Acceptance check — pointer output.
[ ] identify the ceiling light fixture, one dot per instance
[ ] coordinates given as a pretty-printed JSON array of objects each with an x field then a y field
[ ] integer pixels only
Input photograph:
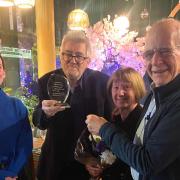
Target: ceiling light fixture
[
  {"x": 78, "y": 20},
  {"x": 144, "y": 14},
  {"x": 149, "y": 17},
  {"x": 6, "y": 3},
  {"x": 24, "y": 3}
]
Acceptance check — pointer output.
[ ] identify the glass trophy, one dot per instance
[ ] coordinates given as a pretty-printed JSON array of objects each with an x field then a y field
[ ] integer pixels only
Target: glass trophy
[{"x": 58, "y": 89}]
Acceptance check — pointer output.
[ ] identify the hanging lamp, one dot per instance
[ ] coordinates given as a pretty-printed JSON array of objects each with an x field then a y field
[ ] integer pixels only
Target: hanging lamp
[
  {"x": 144, "y": 14},
  {"x": 24, "y": 3},
  {"x": 78, "y": 20},
  {"x": 149, "y": 17},
  {"x": 6, "y": 3}
]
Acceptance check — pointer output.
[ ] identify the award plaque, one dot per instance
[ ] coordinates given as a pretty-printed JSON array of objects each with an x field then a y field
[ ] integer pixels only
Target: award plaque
[{"x": 58, "y": 88}]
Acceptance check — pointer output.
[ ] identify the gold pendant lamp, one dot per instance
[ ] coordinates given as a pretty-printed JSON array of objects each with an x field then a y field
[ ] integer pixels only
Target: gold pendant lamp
[
  {"x": 24, "y": 3},
  {"x": 6, "y": 3}
]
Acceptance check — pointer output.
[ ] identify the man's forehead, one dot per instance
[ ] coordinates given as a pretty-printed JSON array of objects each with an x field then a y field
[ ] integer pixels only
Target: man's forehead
[
  {"x": 158, "y": 39},
  {"x": 74, "y": 42}
]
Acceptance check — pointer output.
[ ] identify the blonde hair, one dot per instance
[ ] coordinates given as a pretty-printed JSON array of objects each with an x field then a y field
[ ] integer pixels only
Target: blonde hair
[
  {"x": 77, "y": 37},
  {"x": 132, "y": 76}
]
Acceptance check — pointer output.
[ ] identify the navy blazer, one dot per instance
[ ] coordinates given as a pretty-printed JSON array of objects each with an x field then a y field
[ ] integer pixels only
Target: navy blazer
[{"x": 159, "y": 156}]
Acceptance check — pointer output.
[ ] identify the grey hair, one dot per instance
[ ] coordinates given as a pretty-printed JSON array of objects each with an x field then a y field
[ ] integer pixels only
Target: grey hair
[{"x": 77, "y": 37}]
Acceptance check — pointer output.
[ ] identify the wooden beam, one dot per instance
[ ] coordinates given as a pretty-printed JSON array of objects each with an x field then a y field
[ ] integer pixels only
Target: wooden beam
[{"x": 175, "y": 10}]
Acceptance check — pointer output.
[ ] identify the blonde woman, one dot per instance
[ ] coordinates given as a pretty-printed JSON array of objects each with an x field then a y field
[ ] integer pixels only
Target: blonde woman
[{"x": 126, "y": 88}]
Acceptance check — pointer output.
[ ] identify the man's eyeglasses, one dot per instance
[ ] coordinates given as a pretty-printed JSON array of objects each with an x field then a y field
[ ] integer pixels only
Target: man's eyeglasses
[
  {"x": 162, "y": 52},
  {"x": 78, "y": 58}
]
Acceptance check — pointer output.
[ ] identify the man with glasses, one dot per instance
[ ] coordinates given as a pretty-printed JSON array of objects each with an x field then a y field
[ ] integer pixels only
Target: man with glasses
[
  {"x": 155, "y": 152},
  {"x": 64, "y": 125}
]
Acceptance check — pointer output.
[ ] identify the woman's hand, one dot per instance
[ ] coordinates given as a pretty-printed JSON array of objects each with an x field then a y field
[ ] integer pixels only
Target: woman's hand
[
  {"x": 94, "y": 170},
  {"x": 51, "y": 107},
  {"x": 94, "y": 123}
]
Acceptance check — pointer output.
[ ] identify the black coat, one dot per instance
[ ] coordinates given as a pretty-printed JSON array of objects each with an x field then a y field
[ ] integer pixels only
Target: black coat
[
  {"x": 63, "y": 129},
  {"x": 119, "y": 170}
]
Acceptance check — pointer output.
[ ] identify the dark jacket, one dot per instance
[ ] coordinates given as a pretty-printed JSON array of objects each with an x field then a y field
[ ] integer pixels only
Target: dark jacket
[
  {"x": 159, "y": 156},
  {"x": 119, "y": 170},
  {"x": 63, "y": 129}
]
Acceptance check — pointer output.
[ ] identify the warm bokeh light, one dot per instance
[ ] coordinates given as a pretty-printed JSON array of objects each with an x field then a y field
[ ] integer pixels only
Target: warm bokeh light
[
  {"x": 6, "y": 3},
  {"x": 24, "y": 3},
  {"x": 78, "y": 20},
  {"x": 121, "y": 22}
]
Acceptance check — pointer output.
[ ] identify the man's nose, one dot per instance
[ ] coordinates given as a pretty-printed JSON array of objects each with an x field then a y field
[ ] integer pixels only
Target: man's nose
[
  {"x": 73, "y": 59},
  {"x": 156, "y": 59}
]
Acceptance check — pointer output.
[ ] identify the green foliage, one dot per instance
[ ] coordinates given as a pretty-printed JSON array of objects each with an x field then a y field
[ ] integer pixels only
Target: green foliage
[
  {"x": 29, "y": 100},
  {"x": 7, "y": 90}
]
